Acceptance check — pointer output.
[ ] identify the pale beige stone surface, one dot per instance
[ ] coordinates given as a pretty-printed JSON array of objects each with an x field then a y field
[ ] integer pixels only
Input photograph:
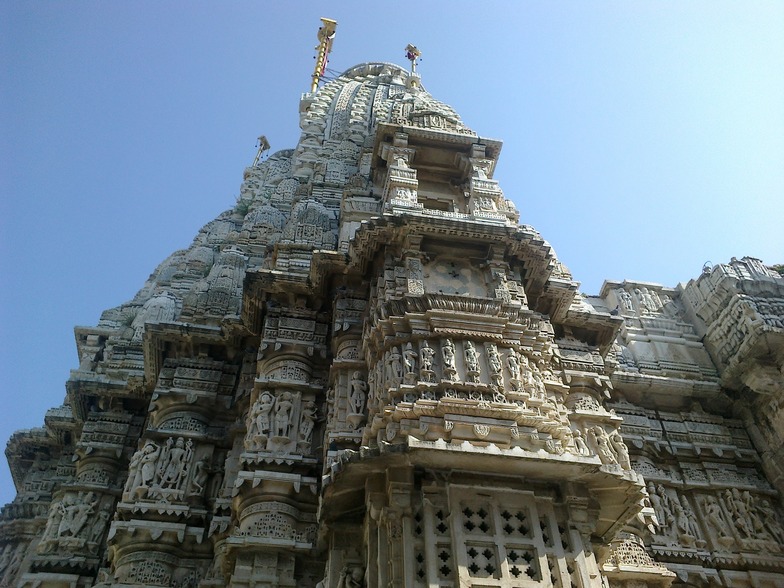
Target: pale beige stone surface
[{"x": 368, "y": 373}]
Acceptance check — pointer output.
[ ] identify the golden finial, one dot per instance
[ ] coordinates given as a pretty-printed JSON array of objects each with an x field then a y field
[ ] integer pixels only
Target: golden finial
[
  {"x": 413, "y": 54},
  {"x": 326, "y": 34}
]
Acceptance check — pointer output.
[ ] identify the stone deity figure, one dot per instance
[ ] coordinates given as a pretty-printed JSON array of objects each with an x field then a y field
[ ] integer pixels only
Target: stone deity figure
[
  {"x": 52, "y": 526},
  {"x": 426, "y": 356},
  {"x": 682, "y": 524},
  {"x": 448, "y": 355},
  {"x": 201, "y": 472},
  {"x": 494, "y": 361},
  {"x": 264, "y": 404},
  {"x": 331, "y": 408},
  {"x": 602, "y": 442},
  {"x": 715, "y": 518},
  {"x": 513, "y": 365},
  {"x": 98, "y": 526},
  {"x": 74, "y": 514},
  {"x": 67, "y": 508},
  {"x": 351, "y": 577},
  {"x": 146, "y": 465},
  {"x": 86, "y": 507},
  {"x": 471, "y": 362},
  {"x": 626, "y": 300},
  {"x": 738, "y": 512},
  {"x": 173, "y": 467},
  {"x": 357, "y": 394},
  {"x": 656, "y": 504},
  {"x": 532, "y": 379},
  {"x": 651, "y": 300},
  {"x": 621, "y": 451},
  {"x": 283, "y": 408},
  {"x": 666, "y": 505},
  {"x": 409, "y": 363},
  {"x": 395, "y": 366},
  {"x": 580, "y": 446},
  {"x": 691, "y": 518},
  {"x": 308, "y": 422}
]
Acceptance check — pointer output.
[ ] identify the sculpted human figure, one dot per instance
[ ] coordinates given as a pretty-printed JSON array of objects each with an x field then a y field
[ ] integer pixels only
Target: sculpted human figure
[
  {"x": 85, "y": 507},
  {"x": 448, "y": 355},
  {"x": 533, "y": 379},
  {"x": 666, "y": 505},
  {"x": 691, "y": 519},
  {"x": 201, "y": 472},
  {"x": 472, "y": 362},
  {"x": 74, "y": 512},
  {"x": 68, "y": 511},
  {"x": 621, "y": 451},
  {"x": 626, "y": 300},
  {"x": 580, "y": 446},
  {"x": 134, "y": 472},
  {"x": 656, "y": 504},
  {"x": 330, "y": 404},
  {"x": 308, "y": 422},
  {"x": 172, "y": 467},
  {"x": 426, "y": 356},
  {"x": 715, "y": 518},
  {"x": 738, "y": 512},
  {"x": 682, "y": 524},
  {"x": 52, "y": 525},
  {"x": 98, "y": 526},
  {"x": 650, "y": 300},
  {"x": 148, "y": 463},
  {"x": 605, "y": 452},
  {"x": 409, "y": 363},
  {"x": 395, "y": 366},
  {"x": 513, "y": 365},
  {"x": 264, "y": 404},
  {"x": 252, "y": 429},
  {"x": 494, "y": 361},
  {"x": 351, "y": 577},
  {"x": 283, "y": 409},
  {"x": 357, "y": 394}
]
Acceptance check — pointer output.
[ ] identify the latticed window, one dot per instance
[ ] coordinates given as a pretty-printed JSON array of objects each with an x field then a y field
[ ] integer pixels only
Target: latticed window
[{"x": 511, "y": 539}]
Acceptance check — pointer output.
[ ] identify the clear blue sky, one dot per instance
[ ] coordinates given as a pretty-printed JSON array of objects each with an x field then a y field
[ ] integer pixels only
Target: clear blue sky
[{"x": 642, "y": 139}]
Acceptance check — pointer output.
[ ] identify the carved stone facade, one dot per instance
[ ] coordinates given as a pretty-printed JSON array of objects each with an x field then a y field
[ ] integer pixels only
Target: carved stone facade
[{"x": 368, "y": 373}]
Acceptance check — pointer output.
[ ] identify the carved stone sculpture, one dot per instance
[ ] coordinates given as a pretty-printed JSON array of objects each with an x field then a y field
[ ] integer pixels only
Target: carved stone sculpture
[
  {"x": 351, "y": 577},
  {"x": 426, "y": 356},
  {"x": 409, "y": 363},
  {"x": 395, "y": 366},
  {"x": 471, "y": 362},
  {"x": 307, "y": 423},
  {"x": 283, "y": 408},
  {"x": 602, "y": 442},
  {"x": 448, "y": 355},
  {"x": 259, "y": 422},
  {"x": 496, "y": 367},
  {"x": 620, "y": 449}
]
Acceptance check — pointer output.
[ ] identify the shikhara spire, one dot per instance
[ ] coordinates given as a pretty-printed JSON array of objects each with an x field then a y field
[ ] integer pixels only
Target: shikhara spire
[{"x": 369, "y": 373}]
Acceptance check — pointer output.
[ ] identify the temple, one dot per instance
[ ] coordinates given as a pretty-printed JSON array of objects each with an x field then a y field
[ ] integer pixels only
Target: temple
[{"x": 369, "y": 373}]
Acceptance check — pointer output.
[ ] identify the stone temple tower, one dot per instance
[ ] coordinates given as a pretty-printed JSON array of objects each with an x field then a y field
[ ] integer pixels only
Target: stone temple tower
[{"x": 369, "y": 373}]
